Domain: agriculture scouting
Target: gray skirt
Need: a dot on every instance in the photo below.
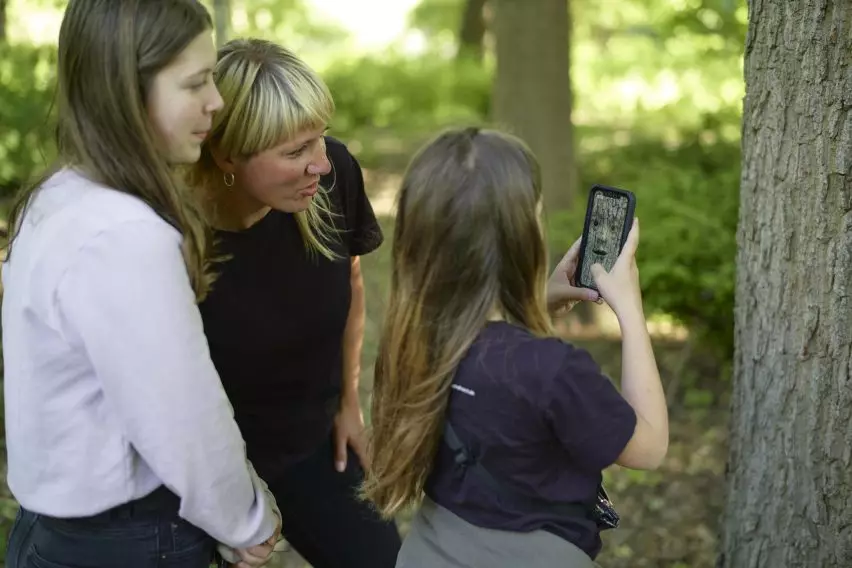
(439, 538)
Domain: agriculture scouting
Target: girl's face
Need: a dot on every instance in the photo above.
(182, 100)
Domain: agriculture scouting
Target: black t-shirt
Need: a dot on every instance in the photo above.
(541, 417)
(275, 319)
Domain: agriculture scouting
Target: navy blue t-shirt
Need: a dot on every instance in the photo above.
(541, 416)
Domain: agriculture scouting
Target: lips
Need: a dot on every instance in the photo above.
(310, 190)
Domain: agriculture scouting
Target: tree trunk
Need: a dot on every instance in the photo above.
(789, 498)
(472, 33)
(3, 7)
(532, 93)
(222, 19)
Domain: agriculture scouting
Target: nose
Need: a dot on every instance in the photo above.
(215, 102)
(319, 164)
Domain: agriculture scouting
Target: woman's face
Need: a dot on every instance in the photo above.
(285, 177)
(182, 100)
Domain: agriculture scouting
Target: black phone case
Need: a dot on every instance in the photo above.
(592, 235)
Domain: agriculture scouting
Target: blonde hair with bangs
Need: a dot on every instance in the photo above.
(270, 96)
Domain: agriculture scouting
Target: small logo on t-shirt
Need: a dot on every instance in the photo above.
(464, 390)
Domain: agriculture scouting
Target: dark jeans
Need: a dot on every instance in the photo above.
(143, 534)
(323, 518)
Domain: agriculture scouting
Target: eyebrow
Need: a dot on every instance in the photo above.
(201, 72)
(296, 144)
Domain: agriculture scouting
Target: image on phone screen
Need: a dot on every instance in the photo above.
(606, 225)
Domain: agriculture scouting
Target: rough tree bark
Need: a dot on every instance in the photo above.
(789, 499)
(532, 92)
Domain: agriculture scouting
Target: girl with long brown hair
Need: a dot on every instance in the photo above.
(122, 446)
(477, 403)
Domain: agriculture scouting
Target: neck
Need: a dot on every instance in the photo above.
(233, 210)
(496, 314)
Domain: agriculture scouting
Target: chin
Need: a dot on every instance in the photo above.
(295, 205)
(185, 156)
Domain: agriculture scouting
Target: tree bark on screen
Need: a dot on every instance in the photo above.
(532, 92)
(789, 496)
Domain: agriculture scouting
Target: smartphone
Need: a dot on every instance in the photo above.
(609, 217)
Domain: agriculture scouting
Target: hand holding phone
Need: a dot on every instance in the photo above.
(609, 217)
(620, 285)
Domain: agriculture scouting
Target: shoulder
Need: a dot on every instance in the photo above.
(80, 207)
(75, 224)
(537, 358)
(70, 213)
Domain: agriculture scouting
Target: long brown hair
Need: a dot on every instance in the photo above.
(270, 96)
(467, 242)
(109, 53)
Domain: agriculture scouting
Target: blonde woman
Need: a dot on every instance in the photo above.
(122, 447)
(285, 318)
(505, 427)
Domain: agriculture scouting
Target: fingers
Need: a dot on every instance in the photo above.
(255, 556)
(340, 452)
(570, 257)
(632, 242)
(574, 250)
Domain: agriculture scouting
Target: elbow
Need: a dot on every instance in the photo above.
(646, 450)
(657, 456)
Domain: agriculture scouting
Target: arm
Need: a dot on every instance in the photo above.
(353, 336)
(349, 423)
(640, 378)
(126, 300)
(642, 388)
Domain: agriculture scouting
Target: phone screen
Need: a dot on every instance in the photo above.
(606, 227)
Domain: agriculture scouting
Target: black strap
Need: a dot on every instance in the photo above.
(514, 498)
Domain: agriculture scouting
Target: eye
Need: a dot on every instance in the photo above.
(198, 85)
(296, 153)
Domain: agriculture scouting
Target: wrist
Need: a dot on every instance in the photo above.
(631, 317)
(350, 397)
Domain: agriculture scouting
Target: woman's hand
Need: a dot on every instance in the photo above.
(254, 557)
(562, 295)
(349, 431)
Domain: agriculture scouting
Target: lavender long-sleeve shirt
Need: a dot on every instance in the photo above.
(110, 390)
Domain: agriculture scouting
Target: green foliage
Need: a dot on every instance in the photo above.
(26, 93)
(407, 93)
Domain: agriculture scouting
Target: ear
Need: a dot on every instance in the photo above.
(223, 161)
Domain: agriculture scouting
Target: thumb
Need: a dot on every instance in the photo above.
(340, 453)
(597, 272)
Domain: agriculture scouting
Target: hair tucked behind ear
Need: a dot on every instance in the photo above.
(109, 53)
(467, 241)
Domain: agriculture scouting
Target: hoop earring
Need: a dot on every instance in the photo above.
(228, 178)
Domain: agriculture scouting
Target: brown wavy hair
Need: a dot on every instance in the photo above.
(467, 245)
(109, 53)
